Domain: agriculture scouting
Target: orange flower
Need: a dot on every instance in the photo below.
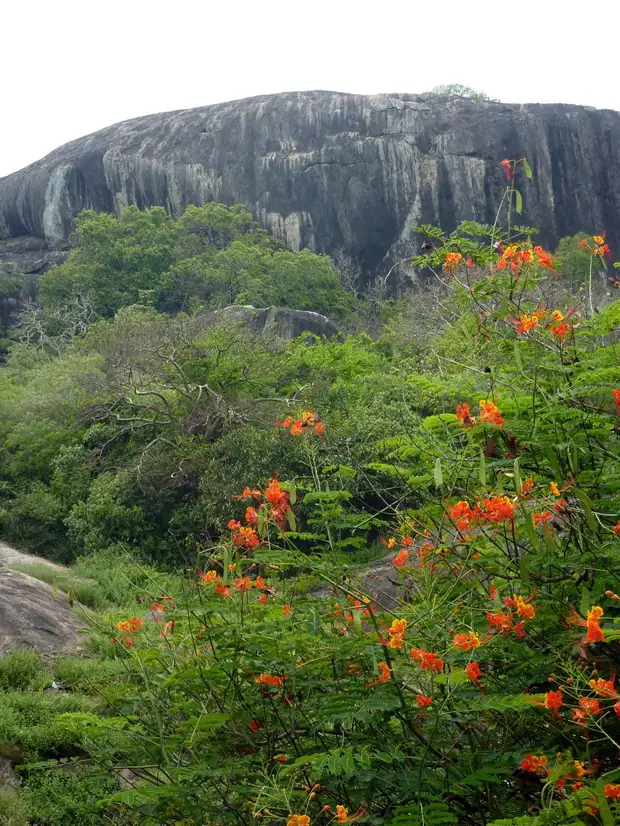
(249, 494)
(616, 397)
(498, 509)
(554, 700)
(527, 486)
(560, 506)
(397, 633)
(342, 814)
(616, 528)
(123, 626)
(466, 642)
(604, 688)
(556, 315)
(588, 706)
(490, 413)
(244, 583)
(612, 791)
(598, 239)
(560, 330)
(452, 261)
(543, 258)
(272, 680)
(384, 676)
(297, 428)
(263, 599)
(469, 263)
(275, 495)
(209, 576)
(464, 416)
(281, 758)
(611, 595)
(500, 620)
(286, 610)
(473, 671)
(251, 517)
(594, 632)
(298, 820)
(524, 609)
(427, 660)
(536, 764)
(506, 165)
(245, 537)
(423, 701)
(401, 558)
(319, 429)
(583, 242)
(526, 323)
(541, 518)
(222, 590)
(555, 490)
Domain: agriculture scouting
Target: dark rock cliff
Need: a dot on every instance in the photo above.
(342, 174)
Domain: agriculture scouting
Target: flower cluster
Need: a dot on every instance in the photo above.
(597, 247)
(520, 611)
(273, 504)
(397, 633)
(427, 660)
(515, 256)
(489, 414)
(493, 511)
(308, 420)
(130, 626)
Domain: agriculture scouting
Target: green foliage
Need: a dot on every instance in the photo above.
(13, 810)
(20, 670)
(457, 90)
(210, 257)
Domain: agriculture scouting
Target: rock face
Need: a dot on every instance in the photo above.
(281, 321)
(337, 173)
(31, 615)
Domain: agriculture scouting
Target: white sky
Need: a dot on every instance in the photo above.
(69, 67)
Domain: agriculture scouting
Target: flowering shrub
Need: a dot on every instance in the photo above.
(290, 689)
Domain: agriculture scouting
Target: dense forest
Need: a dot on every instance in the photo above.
(372, 577)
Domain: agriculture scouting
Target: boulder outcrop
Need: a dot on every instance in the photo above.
(338, 173)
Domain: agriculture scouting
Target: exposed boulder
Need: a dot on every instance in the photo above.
(281, 321)
(32, 615)
(343, 174)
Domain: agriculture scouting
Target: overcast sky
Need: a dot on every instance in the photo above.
(70, 67)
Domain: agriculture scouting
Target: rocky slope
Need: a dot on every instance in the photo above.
(32, 615)
(343, 174)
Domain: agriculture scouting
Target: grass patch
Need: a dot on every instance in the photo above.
(81, 590)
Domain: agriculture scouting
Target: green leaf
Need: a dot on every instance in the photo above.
(518, 201)
(482, 467)
(517, 352)
(587, 507)
(517, 475)
(438, 474)
(524, 572)
(527, 168)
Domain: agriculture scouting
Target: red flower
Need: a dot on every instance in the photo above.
(560, 330)
(466, 642)
(616, 528)
(616, 396)
(612, 790)
(384, 676)
(554, 700)
(427, 660)
(251, 517)
(473, 671)
(594, 632)
(506, 165)
(604, 688)
(255, 725)
(401, 558)
(541, 518)
(222, 590)
(500, 620)
(423, 701)
(464, 416)
(535, 764)
(272, 680)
